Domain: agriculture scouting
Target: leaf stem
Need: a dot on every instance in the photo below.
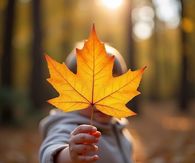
(91, 120)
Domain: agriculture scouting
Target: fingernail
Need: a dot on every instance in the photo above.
(99, 133)
(94, 128)
(96, 157)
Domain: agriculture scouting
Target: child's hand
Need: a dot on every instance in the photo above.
(82, 144)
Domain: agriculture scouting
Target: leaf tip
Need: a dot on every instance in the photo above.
(47, 57)
(48, 80)
(144, 68)
(138, 93)
(93, 28)
(49, 101)
(78, 50)
(132, 113)
(93, 32)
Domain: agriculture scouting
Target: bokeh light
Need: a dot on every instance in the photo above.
(143, 22)
(142, 30)
(112, 4)
(168, 11)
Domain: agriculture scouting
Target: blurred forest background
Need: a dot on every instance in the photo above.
(156, 33)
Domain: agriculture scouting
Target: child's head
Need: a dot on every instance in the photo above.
(119, 68)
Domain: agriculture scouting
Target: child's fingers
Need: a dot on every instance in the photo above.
(88, 158)
(97, 134)
(84, 149)
(84, 129)
(83, 138)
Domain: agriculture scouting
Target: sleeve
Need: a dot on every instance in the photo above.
(55, 137)
(129, 144)
(127, 140)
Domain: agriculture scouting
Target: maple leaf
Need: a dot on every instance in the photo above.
(93, 84)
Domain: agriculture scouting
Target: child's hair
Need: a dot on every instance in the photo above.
(119, 63)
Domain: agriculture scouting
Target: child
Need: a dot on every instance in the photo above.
(68, 137)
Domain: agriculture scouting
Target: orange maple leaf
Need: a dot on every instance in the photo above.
(93, 84)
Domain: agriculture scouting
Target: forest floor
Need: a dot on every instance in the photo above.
(161, 135)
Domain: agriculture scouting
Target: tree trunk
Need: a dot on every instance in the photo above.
(131, 62)
(6, 63)
(36, 89)
(184, 90)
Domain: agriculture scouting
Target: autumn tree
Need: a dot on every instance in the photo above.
(36, 89)
(130, 46)
(7, 59)
(184, 89)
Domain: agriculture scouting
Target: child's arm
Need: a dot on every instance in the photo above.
(81, 144)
